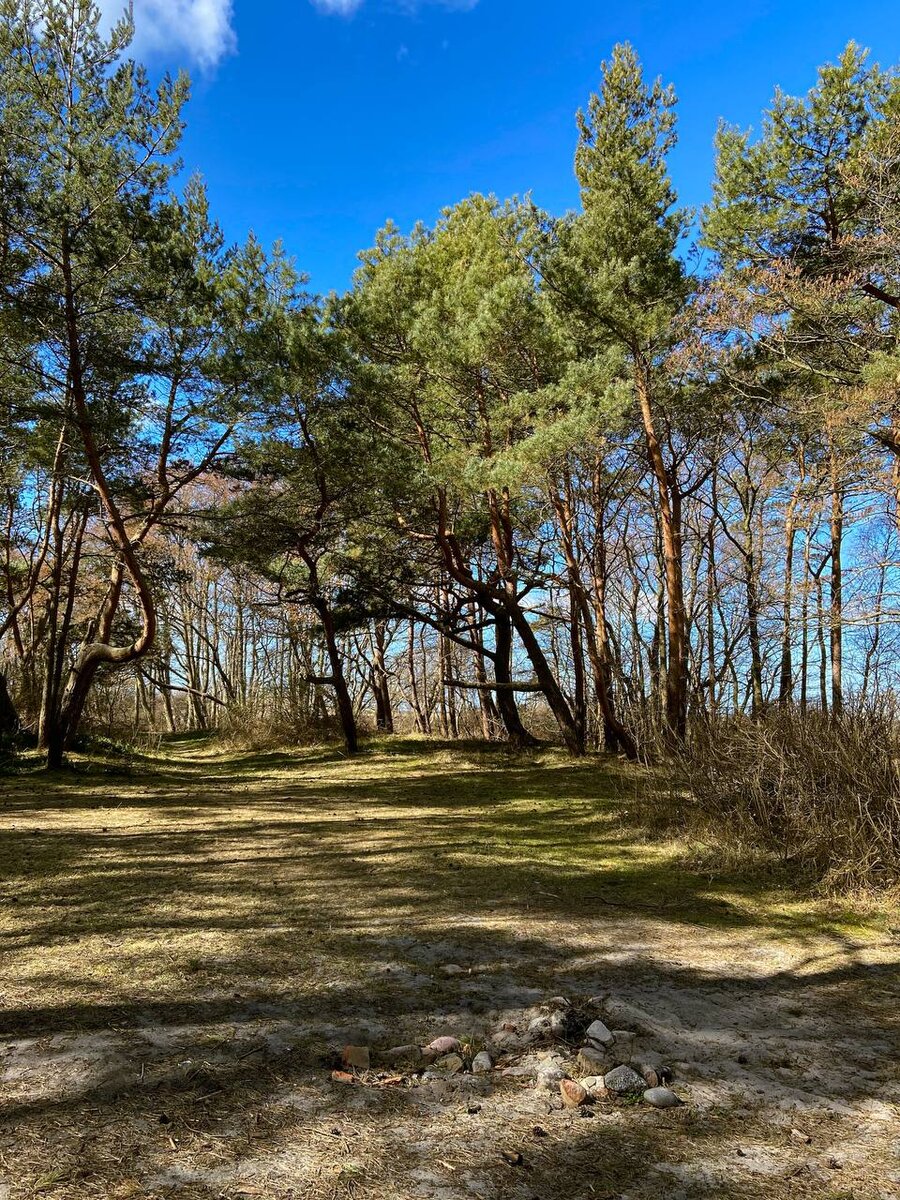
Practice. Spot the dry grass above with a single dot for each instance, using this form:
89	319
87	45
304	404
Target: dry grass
188	938
819	795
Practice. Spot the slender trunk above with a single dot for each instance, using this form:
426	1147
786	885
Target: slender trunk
711	592
804	626
820	638
579	697
752	589
490	717
670	529
836	615
786	674
421	722
615	733
385	720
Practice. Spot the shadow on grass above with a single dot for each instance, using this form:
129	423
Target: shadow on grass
297	901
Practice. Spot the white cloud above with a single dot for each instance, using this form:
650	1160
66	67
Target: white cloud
343	8
200	30
346	8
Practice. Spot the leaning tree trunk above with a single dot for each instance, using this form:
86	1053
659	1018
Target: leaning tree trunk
507	708
94	653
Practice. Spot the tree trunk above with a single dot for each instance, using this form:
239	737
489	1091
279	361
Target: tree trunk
670	529
9	718
346	714
559	706
516	732
786	673
836	629
385	718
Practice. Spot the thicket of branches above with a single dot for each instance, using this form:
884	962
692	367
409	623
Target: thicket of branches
620	477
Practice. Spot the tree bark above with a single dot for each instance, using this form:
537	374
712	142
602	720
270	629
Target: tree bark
670	529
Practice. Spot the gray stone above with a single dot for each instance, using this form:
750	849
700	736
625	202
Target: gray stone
662	1097
593	1061
628	1016
623	1047
450	1064
559	1022
520	1071
549	1076
481	1063
507	1042
401	1056
539	1028
598	1033
622	1080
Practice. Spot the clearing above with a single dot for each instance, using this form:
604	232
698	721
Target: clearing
189	939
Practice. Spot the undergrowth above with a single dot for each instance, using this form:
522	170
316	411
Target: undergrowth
816	794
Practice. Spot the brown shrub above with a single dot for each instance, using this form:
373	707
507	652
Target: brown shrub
817	792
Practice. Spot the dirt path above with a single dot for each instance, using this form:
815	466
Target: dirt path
187	946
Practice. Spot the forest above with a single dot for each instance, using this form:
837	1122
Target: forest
626	478
440	711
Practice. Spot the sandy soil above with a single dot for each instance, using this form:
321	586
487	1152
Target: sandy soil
188	944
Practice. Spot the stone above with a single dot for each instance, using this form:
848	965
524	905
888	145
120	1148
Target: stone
559	1022
592	1061
598	1033
450	1064
623	1047
653	1069
628	1016
443	1045
549	1075
508	1043
573	1094
342	1077
593	1083
356	1058
401	1056
539	1027
662	1097
520	1071
623	1080
481	1063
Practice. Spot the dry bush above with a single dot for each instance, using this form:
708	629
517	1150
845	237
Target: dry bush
248	727
817	792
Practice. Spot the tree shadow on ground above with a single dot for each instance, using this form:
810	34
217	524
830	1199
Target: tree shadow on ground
183	965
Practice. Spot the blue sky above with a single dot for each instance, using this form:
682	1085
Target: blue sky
314	121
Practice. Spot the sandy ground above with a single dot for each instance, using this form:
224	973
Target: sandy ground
187	945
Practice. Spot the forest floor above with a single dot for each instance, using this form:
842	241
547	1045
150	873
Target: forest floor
189	939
